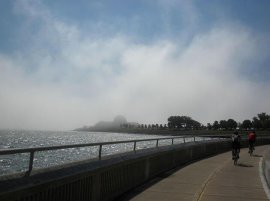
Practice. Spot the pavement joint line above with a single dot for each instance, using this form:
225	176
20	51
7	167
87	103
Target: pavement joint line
158	191
262	176
256	199
235	196
237	186
198	195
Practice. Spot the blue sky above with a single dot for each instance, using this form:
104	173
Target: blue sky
65	64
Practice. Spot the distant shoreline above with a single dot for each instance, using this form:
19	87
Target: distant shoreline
166	132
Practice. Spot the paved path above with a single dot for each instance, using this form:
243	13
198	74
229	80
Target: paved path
211	179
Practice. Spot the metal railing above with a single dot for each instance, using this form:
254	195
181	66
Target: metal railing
32	151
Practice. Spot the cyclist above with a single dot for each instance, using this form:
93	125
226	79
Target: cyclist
251	140
235	145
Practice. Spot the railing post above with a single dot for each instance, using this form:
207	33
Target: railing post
134	148
100	150
157	144
184	140
194	138
31	161
172	140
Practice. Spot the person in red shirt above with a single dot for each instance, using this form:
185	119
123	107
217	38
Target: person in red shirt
251	140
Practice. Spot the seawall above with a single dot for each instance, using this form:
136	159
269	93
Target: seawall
110	177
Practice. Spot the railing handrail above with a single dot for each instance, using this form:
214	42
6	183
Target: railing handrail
32	150
48	148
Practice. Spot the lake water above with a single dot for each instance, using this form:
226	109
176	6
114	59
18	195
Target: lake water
24	139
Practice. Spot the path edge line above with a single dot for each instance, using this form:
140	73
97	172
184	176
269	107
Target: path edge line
263	179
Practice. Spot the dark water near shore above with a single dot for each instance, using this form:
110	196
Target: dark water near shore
24	139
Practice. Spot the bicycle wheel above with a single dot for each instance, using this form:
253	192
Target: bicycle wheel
251	150
235	160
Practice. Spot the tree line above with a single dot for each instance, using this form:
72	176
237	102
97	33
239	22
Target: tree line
259	122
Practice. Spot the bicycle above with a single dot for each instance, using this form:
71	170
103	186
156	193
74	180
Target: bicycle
235	156
251	149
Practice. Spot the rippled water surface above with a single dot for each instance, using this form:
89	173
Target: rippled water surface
25	139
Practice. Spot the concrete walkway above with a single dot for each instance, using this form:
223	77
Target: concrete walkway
211	179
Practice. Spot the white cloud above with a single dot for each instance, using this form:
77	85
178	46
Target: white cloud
203	81
88	79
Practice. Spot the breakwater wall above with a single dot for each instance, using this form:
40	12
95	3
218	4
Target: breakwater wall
110	177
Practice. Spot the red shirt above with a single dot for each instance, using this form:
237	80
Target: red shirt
251	136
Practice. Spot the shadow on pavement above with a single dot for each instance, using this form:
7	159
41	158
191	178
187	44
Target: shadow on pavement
244	165
255	155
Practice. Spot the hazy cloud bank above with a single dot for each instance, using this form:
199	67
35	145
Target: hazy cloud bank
64	79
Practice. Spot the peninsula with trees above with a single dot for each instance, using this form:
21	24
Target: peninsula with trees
178	125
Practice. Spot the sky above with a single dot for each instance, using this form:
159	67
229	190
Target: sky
65	64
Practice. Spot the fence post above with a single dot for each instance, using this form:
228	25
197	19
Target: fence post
31	161
157	144
184	140
99	153
134	148
172	140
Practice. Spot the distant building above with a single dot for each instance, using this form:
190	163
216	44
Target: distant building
118	122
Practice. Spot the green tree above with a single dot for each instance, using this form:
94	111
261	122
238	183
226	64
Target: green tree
183	121
256	123
209	126
263	118
267	124
216	125
223	124
231	124
172	122
247	124
175	122
196	125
